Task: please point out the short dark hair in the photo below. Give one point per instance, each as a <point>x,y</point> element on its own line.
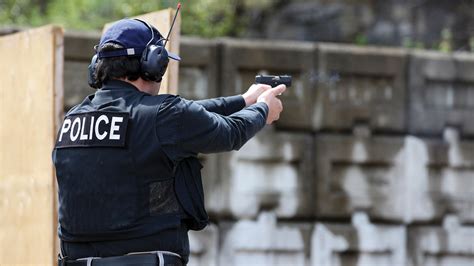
<point>116,67</point>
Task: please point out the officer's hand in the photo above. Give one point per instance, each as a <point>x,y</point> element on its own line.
<point>274,104</point>
<point>253,92</point>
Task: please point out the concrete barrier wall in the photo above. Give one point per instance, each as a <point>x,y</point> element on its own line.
<point>242,60</point>
<point>441,92</point>
<point>360,85</point>
<point>371,163</point>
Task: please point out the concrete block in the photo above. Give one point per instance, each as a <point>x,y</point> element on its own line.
<point>441,92</point>
<point>76,87</point>
<point>360,173</point>
<point>204,246</point>
<point>450,244</point>
<point>198,69</point>
<point>262,242</point>
<point>10,30</point>
<point>271,172</point>
<point>242,60</point>
<point>78,52</point>
<point>79,45</point>
<point>360,243</point>
<point>398,179</point>
<point>442,178</point>
<point>360,85</point>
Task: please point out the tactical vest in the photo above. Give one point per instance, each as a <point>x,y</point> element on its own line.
<point>114,180</point>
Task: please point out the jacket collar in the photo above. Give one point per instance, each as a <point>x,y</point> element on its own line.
<point>116,84</point>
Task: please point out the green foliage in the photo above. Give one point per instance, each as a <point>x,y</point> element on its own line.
<point>361,39</point>
<point>19,12</point>
<point>208,18</point>
<point>409,43</point>
<point>446,41</point>
<point>211,18</point>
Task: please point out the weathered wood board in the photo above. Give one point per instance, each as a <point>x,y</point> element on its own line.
<point>31,105</point>
<point>162,21</point>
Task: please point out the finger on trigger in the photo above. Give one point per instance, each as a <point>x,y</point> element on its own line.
<point>278,90</point>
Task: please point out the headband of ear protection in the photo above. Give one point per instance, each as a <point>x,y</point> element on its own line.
<point>154,59</point>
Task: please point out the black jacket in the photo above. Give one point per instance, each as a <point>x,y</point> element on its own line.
<point>126,161</point>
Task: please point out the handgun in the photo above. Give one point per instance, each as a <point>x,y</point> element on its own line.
<point>273,80</point>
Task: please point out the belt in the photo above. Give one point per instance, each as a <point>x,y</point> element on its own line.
<point>160,258</point>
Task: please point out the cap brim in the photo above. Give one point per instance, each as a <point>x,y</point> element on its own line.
<point>174,56</point>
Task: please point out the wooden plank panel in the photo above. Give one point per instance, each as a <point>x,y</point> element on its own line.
<point>162,21</point>
<point>30,110</point>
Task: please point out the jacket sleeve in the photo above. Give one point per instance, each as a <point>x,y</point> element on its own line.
<point>223,105</point>
<point>185,128</point>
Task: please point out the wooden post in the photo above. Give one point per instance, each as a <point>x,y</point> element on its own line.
<point>31,105</point>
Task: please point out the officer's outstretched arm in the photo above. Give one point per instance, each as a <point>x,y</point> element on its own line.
<point>232,104</point>
<point>223,105</point>
<point>187,128</point>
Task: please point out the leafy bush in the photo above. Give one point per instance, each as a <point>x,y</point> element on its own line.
<point>207,18</point>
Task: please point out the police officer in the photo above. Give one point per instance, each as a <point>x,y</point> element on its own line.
<point>126,158</point>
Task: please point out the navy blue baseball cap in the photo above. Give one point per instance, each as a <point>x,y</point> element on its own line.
<point>134,35</point>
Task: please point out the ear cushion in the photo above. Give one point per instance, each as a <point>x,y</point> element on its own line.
<point>91,77</point>
<point>154,62</point>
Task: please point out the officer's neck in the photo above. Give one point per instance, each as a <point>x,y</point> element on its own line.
<point>142,85</point>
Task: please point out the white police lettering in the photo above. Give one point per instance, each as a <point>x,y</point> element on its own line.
<point>77,122</point>
<point>91,129</point>
<point>100,119</point>
<point>83,137</point>
<point>65,128</point>
<point>114,128</point>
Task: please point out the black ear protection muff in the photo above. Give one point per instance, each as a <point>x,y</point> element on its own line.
<point>153,61</point>
<point>91,77</point>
